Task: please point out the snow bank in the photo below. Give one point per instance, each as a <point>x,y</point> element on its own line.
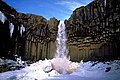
<point>43,70</point>
<point>8,65</point>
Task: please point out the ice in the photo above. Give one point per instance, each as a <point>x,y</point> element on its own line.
<point>2,17</point>
<point>12,15</point>
<point>61,68</point>
<point>86,71</point>
<point>11,26</point>
<point>22,29</point>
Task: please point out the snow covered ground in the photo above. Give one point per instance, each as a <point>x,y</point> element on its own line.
<point>42,70</point>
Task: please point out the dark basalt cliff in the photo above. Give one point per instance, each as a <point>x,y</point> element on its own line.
<point>35,23</point>
<point>9,42</point>
<point>34,42</point>
<point>94,31</point>
<point>40,36</point>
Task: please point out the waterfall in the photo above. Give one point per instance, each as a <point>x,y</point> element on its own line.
<point>61,62</point>
<point>61,51</point>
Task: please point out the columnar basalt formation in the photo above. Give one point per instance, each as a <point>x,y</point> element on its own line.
<point>94,30</point>
<point>40,36</point>
<point>11,38</point>
<point>36,41</point>
<point>92,33</point>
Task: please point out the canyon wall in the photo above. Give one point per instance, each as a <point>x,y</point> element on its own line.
<point>40,36</point>
<point>31,36</point>
<point>11,30</point>
<point>93,31</point>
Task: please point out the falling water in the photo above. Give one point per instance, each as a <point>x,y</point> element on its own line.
<point>61,51</point>
<point>61,63</point>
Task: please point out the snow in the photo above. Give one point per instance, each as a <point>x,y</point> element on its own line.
<point>60,67</point>
<point>2,17</point>
<point>9,65</point>
<point>12,15</point>
<point>42,70</point>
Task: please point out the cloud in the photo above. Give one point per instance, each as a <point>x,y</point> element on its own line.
<point>71,5</point>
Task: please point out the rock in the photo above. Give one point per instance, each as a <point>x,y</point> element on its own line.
<point>36,39</point>
<point>92,31</point>
<point>7,42</point>
<point>52,25</point>
<point>39,34</point>
<point>99,22</point>
<point>108,69</point>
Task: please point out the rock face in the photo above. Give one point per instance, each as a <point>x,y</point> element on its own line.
<point>93,31</point>
<point>27,35</point>
<point>40,36</point>
<point>11,39</point>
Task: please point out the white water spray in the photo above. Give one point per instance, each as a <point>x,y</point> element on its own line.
<point>61,51</point>
<point>61,63</point>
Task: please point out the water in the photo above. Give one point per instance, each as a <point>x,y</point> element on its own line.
<point>61,51</point>
<point>61,62</point>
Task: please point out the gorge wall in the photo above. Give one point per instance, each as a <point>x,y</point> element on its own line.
<point>33,37</point>
<point>11,30</point>
<point>93,31</point>
<point>40,36</point>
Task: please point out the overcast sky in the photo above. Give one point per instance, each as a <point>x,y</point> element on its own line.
<point>61,9</point>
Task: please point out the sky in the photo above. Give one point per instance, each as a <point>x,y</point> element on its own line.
<point>60,9</point>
